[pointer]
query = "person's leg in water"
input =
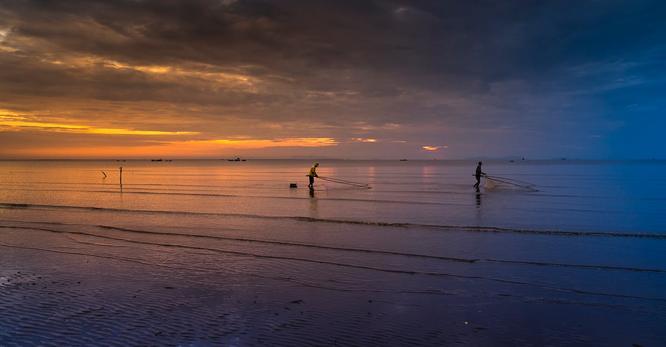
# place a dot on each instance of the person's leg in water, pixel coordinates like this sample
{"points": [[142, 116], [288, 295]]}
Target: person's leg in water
{"points": [[478, 181], [311, 185]]}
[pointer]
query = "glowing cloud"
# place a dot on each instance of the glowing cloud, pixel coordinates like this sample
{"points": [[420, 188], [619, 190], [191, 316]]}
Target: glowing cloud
{"points": [[266, 143], [16, 122], [366, 140], [433, 148], [3, 34], [201, 72]]}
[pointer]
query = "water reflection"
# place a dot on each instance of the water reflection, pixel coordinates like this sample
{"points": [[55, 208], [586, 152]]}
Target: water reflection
{"points": [[314, 210]]}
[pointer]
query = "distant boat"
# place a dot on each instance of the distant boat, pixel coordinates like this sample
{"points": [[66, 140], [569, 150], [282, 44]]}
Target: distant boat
{"points": [[156, 159], [403, 159], [237, 159]]}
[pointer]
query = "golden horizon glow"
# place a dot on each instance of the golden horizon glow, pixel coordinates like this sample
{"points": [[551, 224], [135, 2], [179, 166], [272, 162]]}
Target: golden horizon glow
{"points": [[17, 122], [189, 146], [166, 149]]}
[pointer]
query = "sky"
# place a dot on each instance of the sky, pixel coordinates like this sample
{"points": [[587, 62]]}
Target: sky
{"points": [[346, 79]]}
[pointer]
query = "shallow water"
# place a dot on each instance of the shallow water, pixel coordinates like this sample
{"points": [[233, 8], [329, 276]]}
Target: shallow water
{"points": [[206, 252]]}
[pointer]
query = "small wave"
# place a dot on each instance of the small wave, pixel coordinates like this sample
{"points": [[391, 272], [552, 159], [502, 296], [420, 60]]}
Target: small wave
{"points": [[193, 213], [459, 228], [297, 244], [219, 195], [578, 266], [16, 206]]}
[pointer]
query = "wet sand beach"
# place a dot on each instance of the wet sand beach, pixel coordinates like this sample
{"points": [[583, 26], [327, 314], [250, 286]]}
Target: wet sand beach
{"points": [[217, 253]]}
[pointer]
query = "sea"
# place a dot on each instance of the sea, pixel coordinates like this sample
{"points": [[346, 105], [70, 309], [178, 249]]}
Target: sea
{"points": [[218, 252]]}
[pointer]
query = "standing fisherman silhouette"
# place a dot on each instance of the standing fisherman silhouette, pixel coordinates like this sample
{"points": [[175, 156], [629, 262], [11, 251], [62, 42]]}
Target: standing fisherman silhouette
{"points": [[312, 174], [478, 175]]}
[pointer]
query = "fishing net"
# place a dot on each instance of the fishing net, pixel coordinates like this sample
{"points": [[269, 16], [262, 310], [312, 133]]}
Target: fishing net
{"points": [[345, 182], [490, 184], [504, 183]]}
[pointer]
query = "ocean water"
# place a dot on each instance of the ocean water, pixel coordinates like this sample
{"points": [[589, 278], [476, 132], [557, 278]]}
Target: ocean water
{"points": [[211, 251]]}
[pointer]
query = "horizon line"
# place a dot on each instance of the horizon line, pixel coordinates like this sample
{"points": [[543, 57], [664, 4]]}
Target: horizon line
{"points": [[508, 159]]}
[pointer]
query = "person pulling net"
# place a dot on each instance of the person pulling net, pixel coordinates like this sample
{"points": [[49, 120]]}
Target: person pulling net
{"points": [[478, 174], [312, 174], [497, 182]]}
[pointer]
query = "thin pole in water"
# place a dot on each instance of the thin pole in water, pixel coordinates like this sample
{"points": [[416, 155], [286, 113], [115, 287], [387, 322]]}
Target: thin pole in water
{"points": [[121, 179]]}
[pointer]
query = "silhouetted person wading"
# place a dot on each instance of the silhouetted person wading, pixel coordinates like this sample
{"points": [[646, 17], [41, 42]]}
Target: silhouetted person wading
{"points": [[478, 175], [312, 174]]}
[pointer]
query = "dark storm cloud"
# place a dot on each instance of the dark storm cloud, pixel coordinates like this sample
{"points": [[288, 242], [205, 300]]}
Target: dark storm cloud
{"points": [[443, 70]]}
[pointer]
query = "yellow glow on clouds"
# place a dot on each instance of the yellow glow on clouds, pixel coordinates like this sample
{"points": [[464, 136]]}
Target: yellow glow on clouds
{"points": [[365, 140], [4, 34], [15, 122], [160, 71], [265, 143], [188, 146], [433, 148], [195, 148]]}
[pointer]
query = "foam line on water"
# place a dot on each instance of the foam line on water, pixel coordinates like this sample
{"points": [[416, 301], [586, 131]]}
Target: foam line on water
{"points": [[580, 266], [375, 190], [285, 243], [461, 228], [114, 191]]}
